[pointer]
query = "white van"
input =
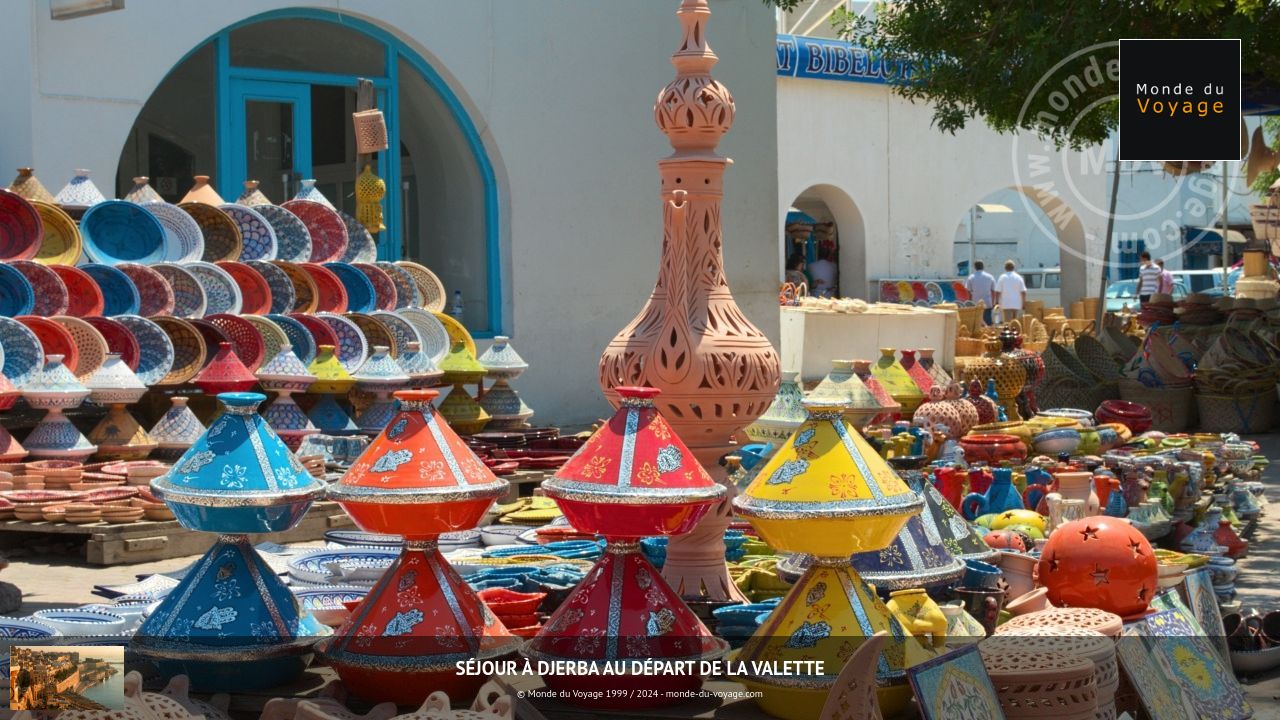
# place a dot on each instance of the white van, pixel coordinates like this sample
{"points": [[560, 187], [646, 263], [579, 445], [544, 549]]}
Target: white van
{"points": [[1043, 284]]}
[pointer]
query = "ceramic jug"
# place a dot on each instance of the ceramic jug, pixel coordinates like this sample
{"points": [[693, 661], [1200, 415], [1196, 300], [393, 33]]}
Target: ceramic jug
{"points": [[999, 497], [950, 483], [1019, 572], [1053, 508], [962, 628], [1116, 506], [919, 614]]}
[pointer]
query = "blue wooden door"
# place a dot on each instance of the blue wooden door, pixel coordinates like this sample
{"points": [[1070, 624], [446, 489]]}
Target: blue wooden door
{"points": [[270, 136]]}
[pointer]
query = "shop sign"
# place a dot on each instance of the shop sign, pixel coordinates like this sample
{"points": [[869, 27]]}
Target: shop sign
{"points": [[806, 57]]}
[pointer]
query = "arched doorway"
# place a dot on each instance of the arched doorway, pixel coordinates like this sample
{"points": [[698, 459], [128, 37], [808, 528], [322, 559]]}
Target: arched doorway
{"points": [[270, 98], [823, 224]]}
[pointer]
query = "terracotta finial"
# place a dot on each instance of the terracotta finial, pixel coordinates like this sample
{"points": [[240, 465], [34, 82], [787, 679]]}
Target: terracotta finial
{"points": [[694, 109]]}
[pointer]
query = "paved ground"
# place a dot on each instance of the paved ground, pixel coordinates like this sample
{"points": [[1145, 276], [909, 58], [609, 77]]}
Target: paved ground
{"points": [[52, 576]]}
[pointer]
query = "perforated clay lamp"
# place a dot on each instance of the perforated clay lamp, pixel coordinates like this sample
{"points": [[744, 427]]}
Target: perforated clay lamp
{"points": [[118, 435], [633, 478], [827, 493], [55, 389], [225, 373], [417, 479], [285, 375], [380, 375], [458, 407], [175, 431], [231, 624], [332, 380]]}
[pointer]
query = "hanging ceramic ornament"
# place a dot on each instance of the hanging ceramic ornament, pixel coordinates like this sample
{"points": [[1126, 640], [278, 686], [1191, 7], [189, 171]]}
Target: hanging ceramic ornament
{"points": [[462, 412], [118, 435], [332, 381], [828, 494], [231, 624], [842, 387], [285, 375], [507, 410], [369, 192], [56, 389], [380, 375], [419, 480], [175, 431], [634, 478]]}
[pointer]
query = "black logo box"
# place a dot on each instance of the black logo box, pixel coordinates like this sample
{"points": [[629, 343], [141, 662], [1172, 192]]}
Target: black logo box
{"points": [[1186, 68]]}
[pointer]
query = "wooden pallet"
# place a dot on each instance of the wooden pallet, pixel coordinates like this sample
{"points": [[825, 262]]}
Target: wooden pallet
{"points": [[148, 540]]}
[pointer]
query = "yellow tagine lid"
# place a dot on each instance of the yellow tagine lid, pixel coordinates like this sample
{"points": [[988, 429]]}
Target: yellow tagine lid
{"points": [[841, 385], [331, 376], [894, 378], [826, 491]]}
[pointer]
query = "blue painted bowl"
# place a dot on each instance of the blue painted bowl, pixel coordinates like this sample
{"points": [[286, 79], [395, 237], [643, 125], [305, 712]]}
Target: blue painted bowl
{"points": [[361, 297], [980, 575], [16, 294], [275, 518], [119, 294], [1058, 440], [120, 231], [301, 339], [22, 632]]}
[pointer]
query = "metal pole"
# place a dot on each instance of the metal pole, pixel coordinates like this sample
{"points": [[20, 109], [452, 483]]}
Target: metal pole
{"points": [[1226, 271], [973, 216], [1106, 246]]}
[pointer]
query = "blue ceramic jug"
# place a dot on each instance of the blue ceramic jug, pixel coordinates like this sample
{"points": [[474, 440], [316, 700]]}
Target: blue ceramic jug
{"points": [[1001, 496]]}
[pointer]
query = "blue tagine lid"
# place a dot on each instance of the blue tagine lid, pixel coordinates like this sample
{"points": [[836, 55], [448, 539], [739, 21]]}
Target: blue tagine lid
{"points": [[238, 477], [381, 370], [230, 606]]}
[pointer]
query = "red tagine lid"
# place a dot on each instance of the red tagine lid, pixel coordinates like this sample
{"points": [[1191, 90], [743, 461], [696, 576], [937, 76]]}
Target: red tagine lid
{"points": [[417, 459], [634, 458], [225, 373]]}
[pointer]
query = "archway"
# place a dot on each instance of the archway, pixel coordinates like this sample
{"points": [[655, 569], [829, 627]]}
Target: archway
{"points": [[270, 98], [824, 220]]}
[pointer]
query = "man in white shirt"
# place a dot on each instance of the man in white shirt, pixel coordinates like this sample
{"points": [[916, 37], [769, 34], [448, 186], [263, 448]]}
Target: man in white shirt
{"points": [[980, 284], [823, 273], [1148, 278], [1011, 290]]}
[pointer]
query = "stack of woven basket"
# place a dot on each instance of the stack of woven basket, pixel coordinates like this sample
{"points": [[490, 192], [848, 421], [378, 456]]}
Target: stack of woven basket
{"points": [[1160, 375], [1235, 382], [1079, 372]]}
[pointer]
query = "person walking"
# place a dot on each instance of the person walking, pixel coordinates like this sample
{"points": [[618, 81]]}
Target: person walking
{"points": [[1148, 278], [1166, 279], [980, 285], [1011, 290]]}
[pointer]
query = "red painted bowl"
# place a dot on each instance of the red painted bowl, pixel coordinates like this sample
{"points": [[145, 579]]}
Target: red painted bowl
{"points": [[384, 288], [21, 229], [993, 449], [51, 292], [1132, 415], [155, 294], [328, 231], [245, 339], [54, 338], [119, 339], [331, 294], [255, 293], [319, 329], [84, 297]]}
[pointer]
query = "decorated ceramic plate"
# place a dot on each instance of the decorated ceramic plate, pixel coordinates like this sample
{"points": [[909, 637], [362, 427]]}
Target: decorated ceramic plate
{"points": [[184, 242], [331, 294], [55, 339], [222, 294], [431, 332], [61, 244], [273, 338], [92, 346], [188, 294], [283, 297], [361, 247], [300, 339], [245, 339], [326, 601], [356, 566], [328, 232], [293, 240], [23, 354], [457, 332], [212, 334], [257, 236], [320, 331], [352, 348], [402, 331], [155, 294], [189, 349], [429, 286], [21, 228], [119, 296], [375, 332], [361, 296], [49, 290], [384, 288], [117, 231], [221, 234], [16, 295], [155, 349], [305, 292], [255, 293], [407, 292], [119, 340], [84, 297]]}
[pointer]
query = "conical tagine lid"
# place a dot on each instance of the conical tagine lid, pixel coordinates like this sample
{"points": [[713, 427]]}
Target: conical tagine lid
{"points": [[238, 462], [417, 459], [178, 427], [381, 369], [285, 367], [461, 366], [202, 192], [331, 376], [252, 195], [142, 192], [29, 186], [634, 458], [502, 360], [897, 381], [826, 491], [225, 373], [841, 386], [79, 192]]}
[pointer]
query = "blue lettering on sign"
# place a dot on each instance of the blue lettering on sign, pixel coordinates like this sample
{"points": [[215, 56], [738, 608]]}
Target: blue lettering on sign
{"points": [[804, 57]]}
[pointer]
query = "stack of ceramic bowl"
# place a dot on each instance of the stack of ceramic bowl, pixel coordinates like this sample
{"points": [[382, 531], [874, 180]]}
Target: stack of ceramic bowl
{"points": [[507, 410]]}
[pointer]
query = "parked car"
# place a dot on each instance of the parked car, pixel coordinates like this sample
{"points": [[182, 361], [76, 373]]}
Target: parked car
{"points": [[1124, 293]]}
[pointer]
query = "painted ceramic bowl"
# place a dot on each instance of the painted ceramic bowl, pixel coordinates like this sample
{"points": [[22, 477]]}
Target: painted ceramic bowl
{"points": [[75, 622], [118, 339], [1132, 415], [183, 240], [1053, 442], [300, 338], [221, 234], [293, 240], [221, 292], [384, 287], [84, 297], [120, 231], [245, 339], [16, 295], [1084, 417], [361, 247], [188, 294], [61, 244], [155, 294], [119, 295], [328, 231], [21, 227], [993, 449], [257, 236], [255, 293], [283, 295], [50, 292], [407, 293], [331, 294], [1015, 428], [328, 602], [361, 296], [155, 349]]}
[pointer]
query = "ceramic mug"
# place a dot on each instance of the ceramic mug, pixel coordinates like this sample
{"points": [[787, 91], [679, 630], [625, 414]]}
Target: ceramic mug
{"points": [[983, 605]]}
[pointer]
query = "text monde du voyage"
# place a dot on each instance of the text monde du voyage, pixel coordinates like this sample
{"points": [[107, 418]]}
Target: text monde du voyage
{"points": [[1177, 99]]}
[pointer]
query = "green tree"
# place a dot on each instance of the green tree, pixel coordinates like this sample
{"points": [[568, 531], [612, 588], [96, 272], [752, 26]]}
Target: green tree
{"points": [[984, 58]]}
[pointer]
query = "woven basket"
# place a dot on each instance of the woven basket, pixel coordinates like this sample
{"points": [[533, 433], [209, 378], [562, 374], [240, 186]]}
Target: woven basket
{"points": [[1250, 413], [1060, 364], [966, 344], [370, 131], [1077, 394], [970, 316], [1172, 409], [1094, 356]]}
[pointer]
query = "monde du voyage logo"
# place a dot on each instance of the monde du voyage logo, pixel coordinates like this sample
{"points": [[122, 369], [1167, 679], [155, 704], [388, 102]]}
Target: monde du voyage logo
{"points": [[1180, 99]]}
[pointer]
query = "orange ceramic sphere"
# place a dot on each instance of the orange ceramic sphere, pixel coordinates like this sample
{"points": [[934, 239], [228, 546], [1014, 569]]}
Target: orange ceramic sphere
{"points": [[1006, 540], [1099, 562]]}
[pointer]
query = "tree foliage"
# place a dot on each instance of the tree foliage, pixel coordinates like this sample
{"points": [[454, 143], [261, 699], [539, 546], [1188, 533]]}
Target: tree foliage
{"points": [[994, 59]]}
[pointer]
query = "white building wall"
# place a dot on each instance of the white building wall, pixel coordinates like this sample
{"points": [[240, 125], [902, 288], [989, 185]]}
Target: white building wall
{"points": [[562, 92]]}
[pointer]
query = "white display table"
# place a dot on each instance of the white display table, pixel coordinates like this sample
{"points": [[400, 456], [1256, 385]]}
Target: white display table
{"points": [[811, 339]]}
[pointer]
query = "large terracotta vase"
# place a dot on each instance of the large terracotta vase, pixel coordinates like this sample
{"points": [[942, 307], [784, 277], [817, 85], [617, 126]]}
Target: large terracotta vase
{"points": [[716, 370]]}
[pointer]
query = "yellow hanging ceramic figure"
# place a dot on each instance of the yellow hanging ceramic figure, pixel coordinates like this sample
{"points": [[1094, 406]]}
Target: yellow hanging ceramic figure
{"points": [[369, 191]]}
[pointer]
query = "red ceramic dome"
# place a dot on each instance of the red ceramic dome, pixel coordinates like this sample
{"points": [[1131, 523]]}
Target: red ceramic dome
{"points": [[1006, 540], [225, 373], [1099, 562]]}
